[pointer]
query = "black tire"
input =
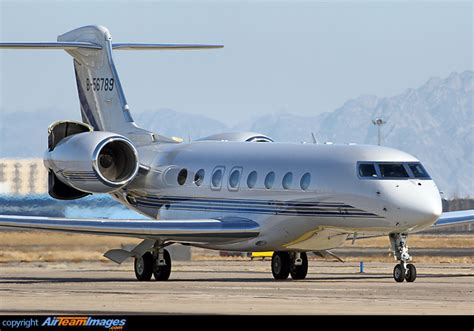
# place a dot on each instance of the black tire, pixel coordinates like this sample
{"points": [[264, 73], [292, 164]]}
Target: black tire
{"points": [[162, 273], [281, 265], [411, 273], [300, 272], [144, 267], [399, 273]]}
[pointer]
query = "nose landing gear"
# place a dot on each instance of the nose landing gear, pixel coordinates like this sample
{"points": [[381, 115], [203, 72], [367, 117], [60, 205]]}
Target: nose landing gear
{"points": [[403, 270]]}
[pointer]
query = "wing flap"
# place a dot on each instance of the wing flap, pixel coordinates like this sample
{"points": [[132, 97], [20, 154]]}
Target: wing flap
{"points": [[190, 231]]}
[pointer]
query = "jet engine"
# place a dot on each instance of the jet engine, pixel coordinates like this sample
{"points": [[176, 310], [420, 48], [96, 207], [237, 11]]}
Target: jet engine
{"points": [[89, 162]]}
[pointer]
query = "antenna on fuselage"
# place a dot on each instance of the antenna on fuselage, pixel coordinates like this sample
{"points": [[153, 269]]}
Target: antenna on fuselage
{"points": [[314, 138]]}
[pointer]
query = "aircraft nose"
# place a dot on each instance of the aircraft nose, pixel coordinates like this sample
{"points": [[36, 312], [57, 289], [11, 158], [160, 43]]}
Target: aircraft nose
{"points": [[417, 206], [427, 212], [426, 208]]}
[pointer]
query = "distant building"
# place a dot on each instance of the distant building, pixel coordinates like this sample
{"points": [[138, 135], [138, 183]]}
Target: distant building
{"points": [[23, 177]]}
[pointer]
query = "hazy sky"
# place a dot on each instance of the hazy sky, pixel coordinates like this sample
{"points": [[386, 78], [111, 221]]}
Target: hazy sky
{"points": [[300, 57]]}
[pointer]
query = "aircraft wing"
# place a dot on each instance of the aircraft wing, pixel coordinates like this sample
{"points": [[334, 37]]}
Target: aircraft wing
{"points": [[182, 231], [447, 219], [451, 218]]}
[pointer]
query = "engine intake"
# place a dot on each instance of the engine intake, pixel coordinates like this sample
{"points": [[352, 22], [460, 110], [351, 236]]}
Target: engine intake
{"points": [[115, 161]]}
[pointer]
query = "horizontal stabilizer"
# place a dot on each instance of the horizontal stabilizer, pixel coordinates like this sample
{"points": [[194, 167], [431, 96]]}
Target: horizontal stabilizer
{"points": [[147, 46], [50, 45], [71, 45]]}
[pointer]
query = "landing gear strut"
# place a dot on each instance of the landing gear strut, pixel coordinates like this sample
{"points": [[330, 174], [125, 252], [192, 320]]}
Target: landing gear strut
{"points": [[286, 263], [403, 270], [156, 263], [162, 266], [299, 265]]}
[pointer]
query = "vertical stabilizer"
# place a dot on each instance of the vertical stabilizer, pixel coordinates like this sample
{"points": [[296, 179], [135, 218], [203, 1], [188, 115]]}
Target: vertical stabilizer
{"points": [[103, 103]]}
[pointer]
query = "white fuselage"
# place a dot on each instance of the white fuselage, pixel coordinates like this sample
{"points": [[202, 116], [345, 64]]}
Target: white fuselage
{"points": [[313, 201]]}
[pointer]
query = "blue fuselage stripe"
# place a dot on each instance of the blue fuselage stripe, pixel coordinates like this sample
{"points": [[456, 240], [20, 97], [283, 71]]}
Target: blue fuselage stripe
{"points": [[255, 206]]}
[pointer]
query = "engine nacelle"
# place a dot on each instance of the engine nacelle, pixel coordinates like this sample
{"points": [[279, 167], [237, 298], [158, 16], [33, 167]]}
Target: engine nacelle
{"points": [[93, 162]]}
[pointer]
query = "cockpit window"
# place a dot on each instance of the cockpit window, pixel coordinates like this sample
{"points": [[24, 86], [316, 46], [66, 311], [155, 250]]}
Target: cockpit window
{"points": [[418, 170], [393, 170], [367, 170]]}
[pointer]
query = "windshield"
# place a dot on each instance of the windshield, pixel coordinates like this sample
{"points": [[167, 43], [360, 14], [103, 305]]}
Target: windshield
{"points": [[418, 170], [392, 170], [367, 170]]}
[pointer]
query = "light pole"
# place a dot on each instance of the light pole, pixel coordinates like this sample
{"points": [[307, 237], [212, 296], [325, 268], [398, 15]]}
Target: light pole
{"points": [[379, 122]]}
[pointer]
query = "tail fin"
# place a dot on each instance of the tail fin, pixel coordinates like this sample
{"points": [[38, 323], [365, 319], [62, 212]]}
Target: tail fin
{"points": [[103, 102]]}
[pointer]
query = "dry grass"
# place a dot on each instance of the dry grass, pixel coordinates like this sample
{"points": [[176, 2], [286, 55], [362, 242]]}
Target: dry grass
{"points": [[52, 246], [49, 246], [57, 239]]}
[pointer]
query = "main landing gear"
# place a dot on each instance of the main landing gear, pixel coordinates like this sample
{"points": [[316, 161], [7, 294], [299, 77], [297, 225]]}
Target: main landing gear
{"points": [[403, 270], [156, 263], [289, 263]]}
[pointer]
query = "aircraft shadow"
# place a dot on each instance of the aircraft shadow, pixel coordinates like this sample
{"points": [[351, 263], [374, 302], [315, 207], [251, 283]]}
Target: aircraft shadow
{"points": [[38, 280]]}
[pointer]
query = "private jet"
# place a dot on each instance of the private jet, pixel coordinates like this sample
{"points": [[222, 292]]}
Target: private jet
{"points": [[236, 191]]}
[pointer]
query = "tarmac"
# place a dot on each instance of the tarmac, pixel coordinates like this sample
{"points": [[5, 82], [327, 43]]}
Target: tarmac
{"points": [[237, 286]]}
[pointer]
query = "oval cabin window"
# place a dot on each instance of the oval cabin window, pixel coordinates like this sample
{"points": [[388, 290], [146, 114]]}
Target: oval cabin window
{"points": [[305, 181], [269, 180], [252, 179]]}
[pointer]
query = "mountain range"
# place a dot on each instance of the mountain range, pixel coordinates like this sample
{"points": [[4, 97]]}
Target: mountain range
{"points": [[434, 122]]}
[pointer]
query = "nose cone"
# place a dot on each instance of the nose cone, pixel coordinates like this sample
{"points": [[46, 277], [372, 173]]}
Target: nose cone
{"points": [[415, 205], [427, 211], [425, 207]]}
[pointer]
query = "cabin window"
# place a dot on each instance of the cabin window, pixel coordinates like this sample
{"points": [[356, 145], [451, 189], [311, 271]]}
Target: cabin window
{"points": [[287, 180], [234, 178], [199, 177], [216, 181], [393, 170], [305, 181], [252, 179], [367, 170], [182, 175], [269, 180]]}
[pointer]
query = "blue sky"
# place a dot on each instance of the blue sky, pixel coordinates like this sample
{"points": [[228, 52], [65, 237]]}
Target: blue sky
{"points": [[299, 57]]}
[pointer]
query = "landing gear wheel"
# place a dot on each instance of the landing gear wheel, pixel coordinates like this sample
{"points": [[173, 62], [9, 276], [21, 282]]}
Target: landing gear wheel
{"points": [[299, 271], [399, 273], [144, 266], [280, 265], [162, 272], [411, 273]]}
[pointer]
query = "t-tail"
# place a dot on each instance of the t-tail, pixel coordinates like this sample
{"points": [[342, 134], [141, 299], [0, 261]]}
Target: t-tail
{"points": [[102, 99]]}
